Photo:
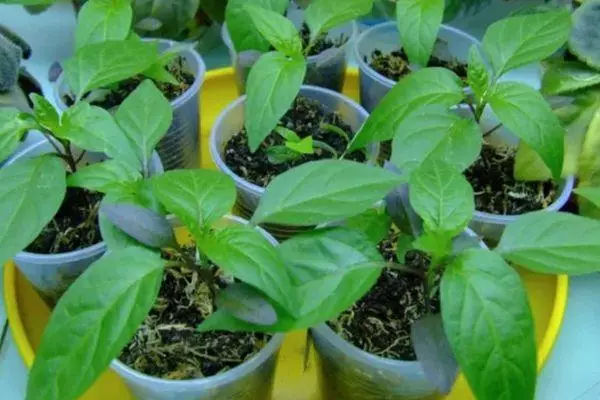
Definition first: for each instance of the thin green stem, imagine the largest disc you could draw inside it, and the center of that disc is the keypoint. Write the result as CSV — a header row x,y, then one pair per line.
x,y
494,129
335,129
4,333
324,146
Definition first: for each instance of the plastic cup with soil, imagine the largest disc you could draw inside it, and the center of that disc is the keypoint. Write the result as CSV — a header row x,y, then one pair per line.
x,y
367,353
71,241
168,358
180,148
317,112
326,61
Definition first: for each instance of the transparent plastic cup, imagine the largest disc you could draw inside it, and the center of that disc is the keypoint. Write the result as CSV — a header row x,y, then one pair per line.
x,y
249,381
51,274
349,373
327,69
180,147
231,121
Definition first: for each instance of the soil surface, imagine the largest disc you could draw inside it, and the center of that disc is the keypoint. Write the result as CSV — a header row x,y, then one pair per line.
x,y
167,344
304,118
121,90
322,43
498,192
74,227
395,65
380,322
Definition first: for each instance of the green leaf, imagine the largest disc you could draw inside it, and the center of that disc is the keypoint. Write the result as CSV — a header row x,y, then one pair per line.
x,y
281,154
375,223
102,20
489,325
427,86
93,322
437,244
526,114
145,117
404,244
435,133
31,193
244,35
478,77
243,252
516,41
591,194
582,41
273,84
568,76
323,191
397,206
102,64
554,243
304,146
529,166
158,73
442,197
197,197
419,22
277,29
323,15
94,129
13,125
104,176
288,134
45,113
246,303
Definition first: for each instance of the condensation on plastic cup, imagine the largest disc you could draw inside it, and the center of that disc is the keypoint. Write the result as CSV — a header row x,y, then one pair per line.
x,y
180,147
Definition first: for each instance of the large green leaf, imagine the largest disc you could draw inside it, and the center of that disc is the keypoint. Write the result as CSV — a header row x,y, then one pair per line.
x,y
375,223
145,116
582,40
555,243
104,176
323,191
94,129
102,64
197,197
93,321
516,41
442,196
418,23
273,84
13,125
427,86
489,325
102,20
478,77
568,76
277,29
526,114
30,195
323,15
435,133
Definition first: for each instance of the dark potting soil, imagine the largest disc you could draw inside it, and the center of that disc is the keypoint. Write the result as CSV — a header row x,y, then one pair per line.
x,y
498,192
74,227
167,344
121,90
380,322
322,43
395,65
305,118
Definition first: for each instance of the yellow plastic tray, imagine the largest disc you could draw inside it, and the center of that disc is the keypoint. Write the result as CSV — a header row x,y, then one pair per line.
x,y
28,315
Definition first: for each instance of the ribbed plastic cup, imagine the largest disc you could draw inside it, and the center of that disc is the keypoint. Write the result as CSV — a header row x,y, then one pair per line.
x,y
180,147
251,380
51,274
327,69
349,373
231,121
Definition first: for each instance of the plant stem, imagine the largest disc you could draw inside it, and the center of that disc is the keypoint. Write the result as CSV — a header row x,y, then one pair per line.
x,y
51,141
335,129
324,146
494,129
80,157
4,333
71,160
203,272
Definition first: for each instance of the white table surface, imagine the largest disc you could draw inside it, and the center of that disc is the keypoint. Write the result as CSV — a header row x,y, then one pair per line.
x,y
573,370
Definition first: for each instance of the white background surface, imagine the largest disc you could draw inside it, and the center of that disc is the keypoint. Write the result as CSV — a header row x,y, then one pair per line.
x,y
573,371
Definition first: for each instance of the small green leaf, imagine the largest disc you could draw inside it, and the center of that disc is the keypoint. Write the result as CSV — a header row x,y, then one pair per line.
x,y
435,133
273,84
102,20
477,74
529,166
568,76
375,223
13,125
582,41
323,15
246,303
45,113
31,193
281,154
93,322
197,197
288,134
145,117
553,243
277,29
526,114
104,176
489,325
158,73
418,23
589,193
442,197
323,191
102,64
427,86
437,244
304,146
404,244
516,41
